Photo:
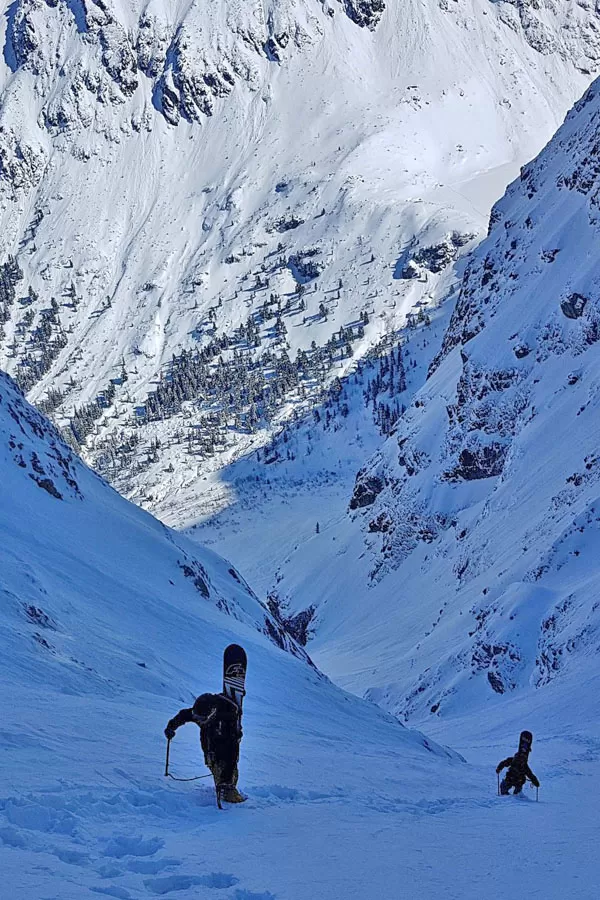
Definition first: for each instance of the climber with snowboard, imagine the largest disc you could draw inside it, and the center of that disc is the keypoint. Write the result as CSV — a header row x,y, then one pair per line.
x,y
518,767
219,717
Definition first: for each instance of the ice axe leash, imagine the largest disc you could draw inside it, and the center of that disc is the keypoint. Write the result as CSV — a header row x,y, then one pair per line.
x,y
168,774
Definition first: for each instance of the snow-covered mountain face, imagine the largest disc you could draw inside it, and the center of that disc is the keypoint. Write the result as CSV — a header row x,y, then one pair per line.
x,y
270,184
65,531
469,557
210,212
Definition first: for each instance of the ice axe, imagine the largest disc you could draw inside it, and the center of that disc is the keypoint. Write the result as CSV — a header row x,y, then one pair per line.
x,y
167,759
168,774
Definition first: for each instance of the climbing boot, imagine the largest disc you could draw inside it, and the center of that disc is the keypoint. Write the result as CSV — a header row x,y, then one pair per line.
x,y
230,794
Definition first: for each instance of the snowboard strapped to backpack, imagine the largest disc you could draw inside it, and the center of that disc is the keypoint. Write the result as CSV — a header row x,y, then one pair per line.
x,y
519,765
525,742
234,673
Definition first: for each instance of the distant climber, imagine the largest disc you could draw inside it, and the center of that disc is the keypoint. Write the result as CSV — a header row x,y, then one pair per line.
x,y
219,717
518,767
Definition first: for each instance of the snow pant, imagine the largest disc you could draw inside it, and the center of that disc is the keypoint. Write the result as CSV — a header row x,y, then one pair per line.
x,y
221,757
508,783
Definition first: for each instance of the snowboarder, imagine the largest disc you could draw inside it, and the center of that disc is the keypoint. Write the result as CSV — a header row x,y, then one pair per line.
x,y
518,767
220,722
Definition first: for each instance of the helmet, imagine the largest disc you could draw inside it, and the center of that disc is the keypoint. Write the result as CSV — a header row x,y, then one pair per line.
x,y
204,706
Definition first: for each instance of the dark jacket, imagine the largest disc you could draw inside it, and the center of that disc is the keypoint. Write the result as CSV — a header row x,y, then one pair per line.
x,y
518,769
219,720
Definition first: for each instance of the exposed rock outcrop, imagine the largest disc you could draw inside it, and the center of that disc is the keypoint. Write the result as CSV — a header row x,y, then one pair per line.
x,y
365,13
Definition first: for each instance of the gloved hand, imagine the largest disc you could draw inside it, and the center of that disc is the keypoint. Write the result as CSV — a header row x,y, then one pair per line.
x,y
169,732
535,782
498,769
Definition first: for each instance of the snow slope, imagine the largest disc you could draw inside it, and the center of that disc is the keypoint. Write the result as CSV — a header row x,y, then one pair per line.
x,y
105,634
461,590
467,571
260,509
51,499
99,649
156,159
